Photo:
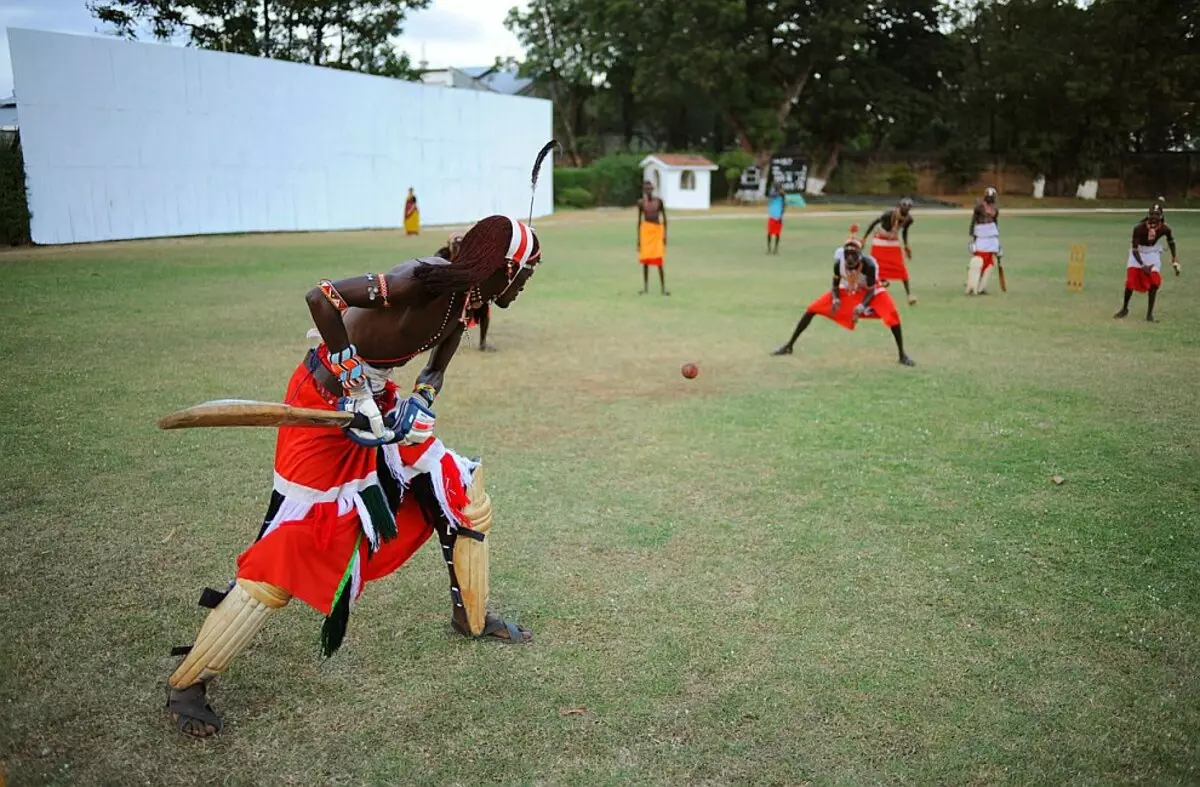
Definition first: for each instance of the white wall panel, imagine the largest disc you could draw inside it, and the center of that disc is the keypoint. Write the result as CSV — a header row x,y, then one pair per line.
x,y
130,140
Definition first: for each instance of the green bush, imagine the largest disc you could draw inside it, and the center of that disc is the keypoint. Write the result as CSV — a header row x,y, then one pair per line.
x,y
566,178
901,179
725,180
612,180
617,179
14,205
575,197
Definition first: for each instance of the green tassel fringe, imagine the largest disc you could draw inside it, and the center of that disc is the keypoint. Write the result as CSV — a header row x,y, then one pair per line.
x,y
382,518
333,630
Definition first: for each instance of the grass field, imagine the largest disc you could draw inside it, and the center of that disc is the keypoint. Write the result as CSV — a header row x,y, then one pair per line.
x,y
825,568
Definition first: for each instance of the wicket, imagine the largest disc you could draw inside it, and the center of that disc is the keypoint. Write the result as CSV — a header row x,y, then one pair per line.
x,y
1075,267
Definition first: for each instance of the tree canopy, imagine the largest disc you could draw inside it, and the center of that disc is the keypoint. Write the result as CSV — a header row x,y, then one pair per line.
x,y
357,35
1059,85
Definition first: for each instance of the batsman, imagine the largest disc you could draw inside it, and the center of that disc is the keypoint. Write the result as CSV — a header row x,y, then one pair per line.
x,y
351,505
984,247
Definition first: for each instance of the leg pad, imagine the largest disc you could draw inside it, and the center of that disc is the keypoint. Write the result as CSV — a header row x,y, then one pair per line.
x,y
227,631
974,271
471,556
984,278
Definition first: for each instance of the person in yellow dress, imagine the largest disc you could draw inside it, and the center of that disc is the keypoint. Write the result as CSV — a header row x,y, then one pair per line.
x,y
412,215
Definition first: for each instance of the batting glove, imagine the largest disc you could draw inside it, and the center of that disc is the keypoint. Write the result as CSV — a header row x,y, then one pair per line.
x,y
414,421
360,400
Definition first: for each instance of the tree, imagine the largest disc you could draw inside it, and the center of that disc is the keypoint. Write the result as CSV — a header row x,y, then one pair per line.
x,y
1038,87
563,52
753,60
355,35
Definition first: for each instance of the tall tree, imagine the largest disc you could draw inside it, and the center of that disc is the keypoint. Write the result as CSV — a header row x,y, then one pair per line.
x,y
563,52
357,35
753,60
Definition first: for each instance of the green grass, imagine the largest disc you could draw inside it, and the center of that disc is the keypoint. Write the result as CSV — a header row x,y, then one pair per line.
x,y
825,568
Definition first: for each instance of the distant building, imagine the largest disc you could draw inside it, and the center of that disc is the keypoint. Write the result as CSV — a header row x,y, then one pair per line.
x,y
506,81
681,181
489,78
452,77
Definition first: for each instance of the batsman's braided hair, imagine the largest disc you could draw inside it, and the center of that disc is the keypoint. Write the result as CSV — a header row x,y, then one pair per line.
x,y
480,254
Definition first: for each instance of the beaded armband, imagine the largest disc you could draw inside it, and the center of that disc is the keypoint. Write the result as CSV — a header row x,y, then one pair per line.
x,y
426,392
332,295
348,367
377,287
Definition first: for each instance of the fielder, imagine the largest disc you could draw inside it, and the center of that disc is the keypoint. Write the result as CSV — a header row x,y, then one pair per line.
x,y
1145,260
776,208
350,506
651,237
885,245
854,294
985,243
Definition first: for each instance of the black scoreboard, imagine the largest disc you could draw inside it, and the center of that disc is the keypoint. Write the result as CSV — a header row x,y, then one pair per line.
x,y
790,171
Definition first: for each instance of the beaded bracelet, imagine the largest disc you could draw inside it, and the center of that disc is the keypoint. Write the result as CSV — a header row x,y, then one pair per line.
x,y
377,286
426,392
332,295
348,367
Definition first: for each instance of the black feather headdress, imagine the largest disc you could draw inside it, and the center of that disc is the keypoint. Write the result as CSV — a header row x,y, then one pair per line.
x,y
537,166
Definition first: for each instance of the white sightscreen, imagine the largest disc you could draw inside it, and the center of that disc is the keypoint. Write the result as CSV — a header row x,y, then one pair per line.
x,y
130,140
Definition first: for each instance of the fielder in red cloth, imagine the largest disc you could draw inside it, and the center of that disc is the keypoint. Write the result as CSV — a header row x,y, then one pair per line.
x,y
854,294
885,245
1145,260
349,506
776,208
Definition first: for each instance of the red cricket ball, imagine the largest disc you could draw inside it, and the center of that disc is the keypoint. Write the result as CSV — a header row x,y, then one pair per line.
x,y
690,370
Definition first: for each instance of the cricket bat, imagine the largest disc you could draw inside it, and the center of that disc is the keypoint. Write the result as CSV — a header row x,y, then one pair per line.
x,y
1003,282
246,412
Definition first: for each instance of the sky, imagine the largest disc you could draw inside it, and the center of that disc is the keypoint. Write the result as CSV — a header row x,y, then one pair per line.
x,y
448,33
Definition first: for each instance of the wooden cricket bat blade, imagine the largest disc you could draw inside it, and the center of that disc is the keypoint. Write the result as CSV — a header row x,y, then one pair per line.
x,y
1003,281
245,412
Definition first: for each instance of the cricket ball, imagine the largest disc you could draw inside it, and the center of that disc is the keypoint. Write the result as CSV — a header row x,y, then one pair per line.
x,y
690,370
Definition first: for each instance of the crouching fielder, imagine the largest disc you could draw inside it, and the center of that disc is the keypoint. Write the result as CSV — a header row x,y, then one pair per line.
x,y
854,294
1145,260
350,506
985,243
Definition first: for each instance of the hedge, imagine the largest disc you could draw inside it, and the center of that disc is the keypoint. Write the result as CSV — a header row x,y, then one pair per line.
x,y
612,180
14,204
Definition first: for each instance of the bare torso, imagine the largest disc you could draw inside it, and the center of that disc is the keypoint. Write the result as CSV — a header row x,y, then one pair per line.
x,y
651,208
391,337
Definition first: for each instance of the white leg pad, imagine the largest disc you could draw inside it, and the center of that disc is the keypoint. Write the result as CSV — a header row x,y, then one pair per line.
x,y
974,269
227,631
471,556
984,278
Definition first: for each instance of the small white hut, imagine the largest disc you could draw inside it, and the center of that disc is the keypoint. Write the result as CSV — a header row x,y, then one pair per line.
x,y
681,181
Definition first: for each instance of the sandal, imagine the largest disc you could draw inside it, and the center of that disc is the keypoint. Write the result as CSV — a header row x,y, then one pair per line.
x,y
193,713
493,625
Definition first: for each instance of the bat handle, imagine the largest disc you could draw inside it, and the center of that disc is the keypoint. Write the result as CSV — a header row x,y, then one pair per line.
x,y
359,421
